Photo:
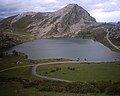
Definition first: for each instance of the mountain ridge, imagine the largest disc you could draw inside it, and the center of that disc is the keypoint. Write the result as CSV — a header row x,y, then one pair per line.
x,y
67,21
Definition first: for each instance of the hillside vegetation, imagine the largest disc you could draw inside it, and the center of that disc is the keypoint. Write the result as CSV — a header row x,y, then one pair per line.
x,y
115,34
98,33
83,71
21,82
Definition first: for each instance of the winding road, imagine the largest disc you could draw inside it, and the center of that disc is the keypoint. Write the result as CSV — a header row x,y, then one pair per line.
x,y
35,66
34,72
7,69
107,36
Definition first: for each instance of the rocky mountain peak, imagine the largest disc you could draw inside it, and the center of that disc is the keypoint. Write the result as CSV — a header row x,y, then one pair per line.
x,y
67,21
70,6
75,12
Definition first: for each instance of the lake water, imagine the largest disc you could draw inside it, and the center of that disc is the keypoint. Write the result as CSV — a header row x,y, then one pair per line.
x,y
67,48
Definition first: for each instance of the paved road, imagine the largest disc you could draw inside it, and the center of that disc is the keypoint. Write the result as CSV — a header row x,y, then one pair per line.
x,y
107,36
34,72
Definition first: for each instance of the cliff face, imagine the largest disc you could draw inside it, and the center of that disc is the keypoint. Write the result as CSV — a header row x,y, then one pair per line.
x,y
115,31
67,21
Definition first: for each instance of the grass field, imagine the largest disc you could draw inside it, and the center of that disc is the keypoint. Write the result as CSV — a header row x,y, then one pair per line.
x,y
98,34
24,73
14,82
83,71
11,61
21,35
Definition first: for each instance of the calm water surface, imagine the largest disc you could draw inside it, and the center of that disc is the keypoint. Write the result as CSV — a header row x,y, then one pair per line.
x,y
67,48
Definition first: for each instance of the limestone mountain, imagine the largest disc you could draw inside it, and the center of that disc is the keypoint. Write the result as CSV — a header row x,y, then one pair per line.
x,y
67,21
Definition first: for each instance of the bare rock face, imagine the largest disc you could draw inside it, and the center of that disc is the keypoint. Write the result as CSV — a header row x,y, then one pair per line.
x,y
67,21
115,31
115,34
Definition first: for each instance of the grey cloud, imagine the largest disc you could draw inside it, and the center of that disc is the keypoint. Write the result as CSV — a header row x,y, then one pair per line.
x,y
9,7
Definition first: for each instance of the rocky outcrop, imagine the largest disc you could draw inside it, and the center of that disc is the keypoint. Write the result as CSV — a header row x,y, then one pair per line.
x,y
67,21
115,34
7,41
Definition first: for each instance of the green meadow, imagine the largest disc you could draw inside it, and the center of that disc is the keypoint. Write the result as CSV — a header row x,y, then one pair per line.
x,y
89,79
83,71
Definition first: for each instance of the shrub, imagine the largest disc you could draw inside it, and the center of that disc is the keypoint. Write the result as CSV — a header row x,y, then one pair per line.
x,y
85,59
53,70
15,53
113,90
45,75
72,69
1,54
26,85
57,69
44,88
58,88
68,67
101,85
82,87
26,56
46,72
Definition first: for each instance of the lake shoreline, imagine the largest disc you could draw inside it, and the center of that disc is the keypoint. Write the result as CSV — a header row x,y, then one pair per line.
x,y
74,48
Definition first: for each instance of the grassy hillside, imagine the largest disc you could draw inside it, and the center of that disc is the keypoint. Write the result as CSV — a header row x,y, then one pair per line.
x,y
10,38
16,89
83,71
97,79
97,33
15,32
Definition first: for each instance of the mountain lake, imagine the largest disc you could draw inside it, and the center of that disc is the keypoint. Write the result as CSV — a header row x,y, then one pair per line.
x,y
67,48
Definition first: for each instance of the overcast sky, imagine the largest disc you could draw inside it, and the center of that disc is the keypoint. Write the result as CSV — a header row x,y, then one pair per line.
x,y
101,10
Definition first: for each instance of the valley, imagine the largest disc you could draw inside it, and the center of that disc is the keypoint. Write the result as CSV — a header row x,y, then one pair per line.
x,y
61,53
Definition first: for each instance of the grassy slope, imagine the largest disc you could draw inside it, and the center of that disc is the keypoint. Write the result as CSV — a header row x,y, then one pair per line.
x,y
17,30
24,73
97,33
84,72
16,33
14,88
20,35
23,61
11,61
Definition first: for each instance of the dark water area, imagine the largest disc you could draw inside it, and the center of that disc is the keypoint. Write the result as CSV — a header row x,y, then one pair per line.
x,y
67,48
